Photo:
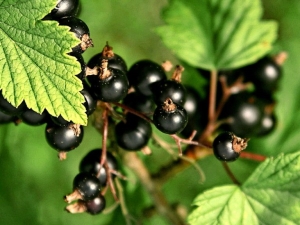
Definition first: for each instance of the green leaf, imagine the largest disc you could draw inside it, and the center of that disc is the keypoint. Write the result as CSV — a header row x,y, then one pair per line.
x,y
217,34
34,63
270,196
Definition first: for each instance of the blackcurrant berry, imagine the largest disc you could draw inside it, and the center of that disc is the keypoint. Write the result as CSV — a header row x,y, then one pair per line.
x,y
60,121
93,206
139,102
245,112
268,124
114,60
168,89
86,186
96,205
227,146
90,101
111,85
8,108
4,118
143,74
64,8
264,74
170,118
64,138
80,59
192,102
33,118
81,31
91,163
134,133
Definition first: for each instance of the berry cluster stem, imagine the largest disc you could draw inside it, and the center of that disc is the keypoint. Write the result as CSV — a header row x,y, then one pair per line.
x,y
132,161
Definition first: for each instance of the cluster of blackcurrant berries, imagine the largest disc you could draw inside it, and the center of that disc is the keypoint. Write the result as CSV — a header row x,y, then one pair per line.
x,y
248,113
88,183
60,134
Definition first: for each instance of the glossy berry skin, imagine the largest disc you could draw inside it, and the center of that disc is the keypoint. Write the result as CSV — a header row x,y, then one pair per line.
x,y
116,62
192,102
65,8
62,138
133,134
168,89
139,102
33,118
91,163
170,121
223,147
79,28
4,118
264,74
60,121
143,74
8,108
90,102
80,59
87,185
95,205
110,89
246,113
268,124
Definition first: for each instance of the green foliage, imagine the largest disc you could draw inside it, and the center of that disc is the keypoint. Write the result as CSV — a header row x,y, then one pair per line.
x,y
34,61
216,35
270,196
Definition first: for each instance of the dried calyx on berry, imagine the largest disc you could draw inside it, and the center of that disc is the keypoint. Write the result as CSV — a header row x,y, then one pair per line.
x,y
172,89
86,186
114,60
169,117
227,146
81,31
93,206
107,83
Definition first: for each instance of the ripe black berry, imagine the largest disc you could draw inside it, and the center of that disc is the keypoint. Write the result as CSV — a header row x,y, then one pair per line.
x,y
64,8
111,85
134,133
143,74
79,57
114,60
4,118
268,124
90,102
81,31
227,146
93,206
63,138
170,118
264,74
168,89
91,163
139,102
33,118
245,112
86,186
8,108
96,205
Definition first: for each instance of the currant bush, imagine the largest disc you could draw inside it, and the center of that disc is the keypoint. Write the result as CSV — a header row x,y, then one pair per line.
x,y
137,108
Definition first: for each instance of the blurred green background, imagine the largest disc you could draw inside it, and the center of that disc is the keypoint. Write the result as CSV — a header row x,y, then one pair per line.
x,y
33,181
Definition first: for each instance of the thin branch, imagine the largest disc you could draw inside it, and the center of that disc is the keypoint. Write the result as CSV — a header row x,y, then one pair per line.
x,y
163,208
133,111
127,216
230,174
103,161
252,156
